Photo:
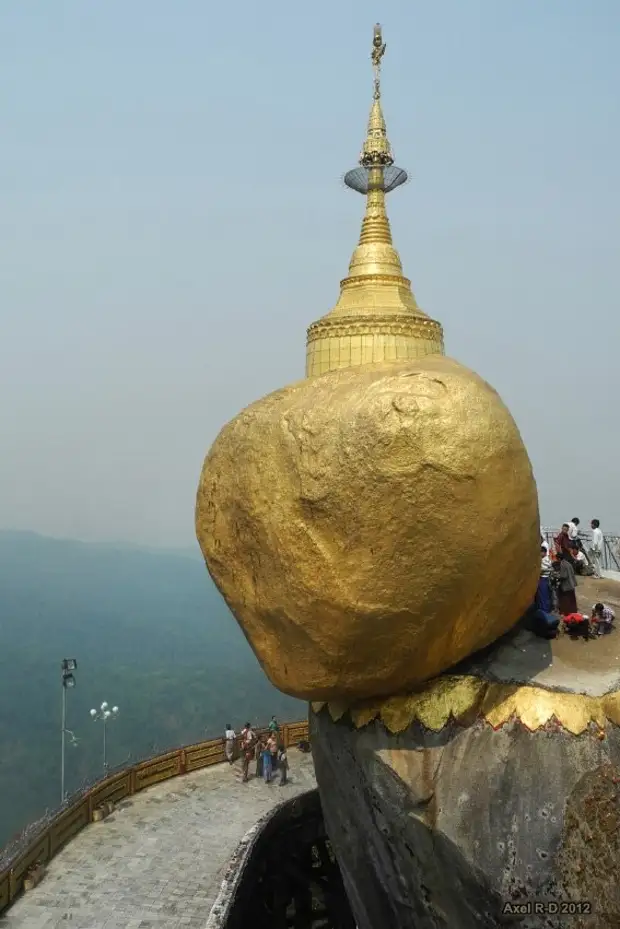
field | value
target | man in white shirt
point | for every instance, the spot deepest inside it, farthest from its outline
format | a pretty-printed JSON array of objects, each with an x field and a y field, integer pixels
[
  {"x": 229, "y": 743},
  {"x": 573, "y": 528},
  {"x": 596, "y": 547}
]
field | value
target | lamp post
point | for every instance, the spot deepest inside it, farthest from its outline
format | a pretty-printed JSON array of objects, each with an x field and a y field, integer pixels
[
  {"x": 68, "y": 666},
  {"x": 105, "y": 714}
]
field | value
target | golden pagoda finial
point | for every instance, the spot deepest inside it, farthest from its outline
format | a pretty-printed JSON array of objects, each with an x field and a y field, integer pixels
[
  {"x": 376, "y": 151},
  {"x": 378, "y": 51},
  {"x": 376, "y": 318}
]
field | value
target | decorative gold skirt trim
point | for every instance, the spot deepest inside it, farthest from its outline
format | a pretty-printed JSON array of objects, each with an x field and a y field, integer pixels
[
  {"x": 342, "y": 326},
  {"x": 465, "y": 699}
]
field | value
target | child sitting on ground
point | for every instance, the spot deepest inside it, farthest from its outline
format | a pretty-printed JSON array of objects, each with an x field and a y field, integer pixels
[{"x": 602, "y": 618}]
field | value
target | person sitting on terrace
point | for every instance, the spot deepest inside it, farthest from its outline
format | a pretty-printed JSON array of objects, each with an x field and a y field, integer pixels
[
  {"x": 581, "y": 563},
  {"x": 541, "y": 623},
  {"x": 577, "y": 625},
  {"x": 602, "y": 618}
]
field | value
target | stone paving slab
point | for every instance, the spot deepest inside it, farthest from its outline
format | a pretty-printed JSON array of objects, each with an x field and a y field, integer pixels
[{"x": 159, "y": 860}]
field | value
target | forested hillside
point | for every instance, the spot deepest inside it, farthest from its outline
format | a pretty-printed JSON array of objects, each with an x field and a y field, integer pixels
[{"x": 150, "y": 633}]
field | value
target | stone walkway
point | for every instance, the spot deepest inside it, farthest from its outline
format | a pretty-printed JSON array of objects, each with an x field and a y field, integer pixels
[{"x": 159, "y": 859}]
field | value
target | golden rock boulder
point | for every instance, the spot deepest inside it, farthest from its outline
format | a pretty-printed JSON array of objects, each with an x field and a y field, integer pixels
[{"x": 371, "y": 527}]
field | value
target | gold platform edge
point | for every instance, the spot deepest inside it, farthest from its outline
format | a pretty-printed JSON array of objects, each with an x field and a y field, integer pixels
[{"x": 467, "y": 699}]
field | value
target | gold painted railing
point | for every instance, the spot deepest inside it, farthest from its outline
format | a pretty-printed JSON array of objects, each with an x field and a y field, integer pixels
[{"x": 116, "y": 787}]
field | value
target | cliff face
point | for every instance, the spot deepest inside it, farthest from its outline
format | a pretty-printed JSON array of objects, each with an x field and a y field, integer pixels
[{"x": 443, "y": 830}]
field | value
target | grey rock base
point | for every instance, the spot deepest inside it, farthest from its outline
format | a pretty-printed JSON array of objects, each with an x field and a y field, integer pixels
[{"x": 450, "y": 830}]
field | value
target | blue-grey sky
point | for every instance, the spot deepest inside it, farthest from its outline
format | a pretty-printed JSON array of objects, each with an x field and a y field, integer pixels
[{"x": 173, "y": 219}]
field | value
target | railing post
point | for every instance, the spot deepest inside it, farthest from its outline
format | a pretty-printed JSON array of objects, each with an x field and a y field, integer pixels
[{"x": 611, "y": 557}]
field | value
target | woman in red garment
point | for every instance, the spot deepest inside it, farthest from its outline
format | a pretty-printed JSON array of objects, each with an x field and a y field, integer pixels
[{"x": 567, "y": 598}]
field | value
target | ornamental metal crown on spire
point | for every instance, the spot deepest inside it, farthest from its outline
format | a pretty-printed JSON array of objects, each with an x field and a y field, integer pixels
[
  {"x": 376, "y": 318},
  {"x": 376, "y": 151}
]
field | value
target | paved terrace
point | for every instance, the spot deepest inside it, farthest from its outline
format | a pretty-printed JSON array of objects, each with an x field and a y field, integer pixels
[
  {"x": 577, "y": 666},
  {"x": 159, "y": 859}
]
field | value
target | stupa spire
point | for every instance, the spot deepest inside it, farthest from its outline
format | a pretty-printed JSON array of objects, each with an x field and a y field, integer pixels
[
  {"x": 376, "y": 151},
  {"x": 376, "y": 318},
  {"x": 375, "y": 157}
]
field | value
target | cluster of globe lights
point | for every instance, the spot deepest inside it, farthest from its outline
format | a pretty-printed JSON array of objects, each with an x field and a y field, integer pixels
[{"x": 105, "y": 712}]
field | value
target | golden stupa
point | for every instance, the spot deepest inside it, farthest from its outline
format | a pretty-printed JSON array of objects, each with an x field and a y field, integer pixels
[
  {"x": 376, "y": 318},
  {"x": 377, "y": 522}
]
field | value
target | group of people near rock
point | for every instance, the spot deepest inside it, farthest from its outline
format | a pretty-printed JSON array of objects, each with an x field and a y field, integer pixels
[
  {"x": 556, "y": 594},
  {"x": 563, "y": 560},
  {"x": 265, "y": 748},
  {"x": 569, "y": 544}
]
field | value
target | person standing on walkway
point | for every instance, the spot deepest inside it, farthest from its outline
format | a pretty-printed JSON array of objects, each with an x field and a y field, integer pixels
[
  {"x": 274, "y": 730},
  {"x": 260, "y": 748},
  {"x": 271, "y": 748},
  {"x": 283, "y": 766},
  {"x": 248, "y": 743},
  {"x": 229, "y": 743},
  {"x": 273, "y": 744},
  {"x": 595, "y": 552}
]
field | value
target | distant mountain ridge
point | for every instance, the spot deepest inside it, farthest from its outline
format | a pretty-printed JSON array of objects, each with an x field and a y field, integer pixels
[
  {"x": 150, "y": 633},
  {"x": 182, "y": 552}
]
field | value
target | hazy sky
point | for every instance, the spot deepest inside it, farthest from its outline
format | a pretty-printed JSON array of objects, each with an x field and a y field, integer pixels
[{"x": 173, "y": 219}]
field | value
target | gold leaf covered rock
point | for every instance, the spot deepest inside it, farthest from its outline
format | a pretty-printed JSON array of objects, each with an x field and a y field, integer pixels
[{"x": 371, "y": 527}]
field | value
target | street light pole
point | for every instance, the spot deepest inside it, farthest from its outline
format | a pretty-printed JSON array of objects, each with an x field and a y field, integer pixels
[
  {"x": 62, "y": 742},
  {"x": 68, "y": 666},
  {"x": 105, "y": 747},
  {"x": 104, "y": 714}
]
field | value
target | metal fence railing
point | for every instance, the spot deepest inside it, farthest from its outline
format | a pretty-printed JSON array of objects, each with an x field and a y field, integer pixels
[
  {"x": 611, "y": 546},
  {"x": 207, "y": 753},
  {"x": 22, "y": 839}
]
